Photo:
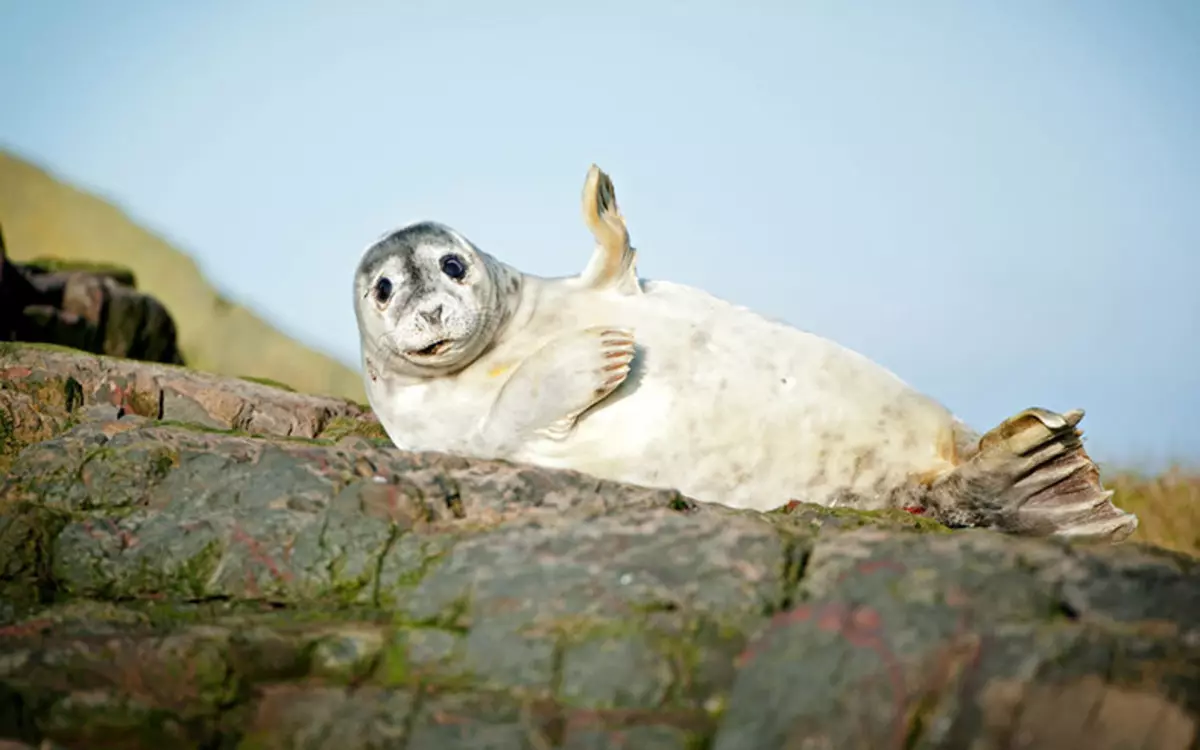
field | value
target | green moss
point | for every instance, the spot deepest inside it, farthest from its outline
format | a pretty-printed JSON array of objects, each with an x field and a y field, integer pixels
[
  {"x": 138, "y": 464},
  {"x": 394, "y": 669},
  {"x": 341, "y": 427},
  {"x": 347, "y": 590},
  {"x": 229, "y": 432},
  {"x": 53, "y": 393},
  {"x": 8, "y": 439},
  {"x": 681, "y": 504},
  {"x": 217, "y": 682},
  {"x": 170, "y": 614},
  {"x": 202, "y": 428},
  {"x": 394, "y": 666},
  {"x": 889, "y": 518},
  {"x": 193, "y": 576},
  {"x": 241, "y": 614},
  {"x": 47, "y": 347},
  {"x": 681, "y": 646},
  {"x": 261, "y": 739},
  {"x": 112, "y": 721},
  {"x": 163, "y": 461},
  {"x": 187, "y": 580},
  {"x": 27, "y": 534},
  {"x": 197, "y": 427},
  {"x": 14, "y": 348},
  {"x": 267, "y": 382},
  {"x": 430, "y": 557},
  {"x": 452, "y": 618},
  {"x": 702, "y": 740},
  {"x": 120, "y": 274}
]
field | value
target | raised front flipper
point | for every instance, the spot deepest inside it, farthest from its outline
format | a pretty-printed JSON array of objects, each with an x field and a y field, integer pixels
[
  {"x": 612, "y": 265},
  {"x": 1032, "y": 476},
  {"x": 550, "y": 389}
]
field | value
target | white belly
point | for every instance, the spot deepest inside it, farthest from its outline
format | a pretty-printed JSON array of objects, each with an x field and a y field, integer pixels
[{"x": 727, "y": 406}]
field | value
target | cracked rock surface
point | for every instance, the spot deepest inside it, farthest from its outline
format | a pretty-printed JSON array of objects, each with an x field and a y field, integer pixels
[{"x": 195, "y": 561}]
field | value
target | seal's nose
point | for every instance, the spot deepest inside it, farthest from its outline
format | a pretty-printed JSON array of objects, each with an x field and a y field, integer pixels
[{"x": 432, "y": 316}]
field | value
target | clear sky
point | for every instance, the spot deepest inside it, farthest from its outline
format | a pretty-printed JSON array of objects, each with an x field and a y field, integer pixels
[{"x": 1000, "y": 201}]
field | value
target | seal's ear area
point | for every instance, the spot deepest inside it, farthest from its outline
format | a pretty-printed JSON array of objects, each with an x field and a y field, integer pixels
[
  {"x": 613, "y": 262},
  {"x": 386, "y": 252}
]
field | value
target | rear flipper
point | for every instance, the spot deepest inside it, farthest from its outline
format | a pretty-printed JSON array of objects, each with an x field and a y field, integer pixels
[
  {"x": 614, "y": 260},
  {"x": 1031, "y": 476}
]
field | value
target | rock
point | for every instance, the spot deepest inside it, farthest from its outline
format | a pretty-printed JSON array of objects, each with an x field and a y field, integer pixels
[
  {"x": 91, "y": 308},
  {"x": 65, "y": 384},
  {"x": 199, "y": 561},
  {"x": 16, "y": 293}
]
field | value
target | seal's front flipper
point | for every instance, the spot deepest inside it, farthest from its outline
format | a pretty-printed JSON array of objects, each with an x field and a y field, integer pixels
[
  {"x": 551, "y": 388},
  {"x": 612, "y": 265},
  {"x": 1031, "y": 475}
]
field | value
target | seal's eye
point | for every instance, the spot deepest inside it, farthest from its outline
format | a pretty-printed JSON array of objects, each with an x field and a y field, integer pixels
[
  {"x": 453, "y": 266},
  {"x": 383, "y": 289}
]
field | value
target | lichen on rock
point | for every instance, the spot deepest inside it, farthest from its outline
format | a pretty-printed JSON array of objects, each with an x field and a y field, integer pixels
[{"x": 195, "y": 561}]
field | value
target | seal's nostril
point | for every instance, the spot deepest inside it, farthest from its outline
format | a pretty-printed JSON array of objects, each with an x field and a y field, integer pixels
[{"x": 433, "y": 316}]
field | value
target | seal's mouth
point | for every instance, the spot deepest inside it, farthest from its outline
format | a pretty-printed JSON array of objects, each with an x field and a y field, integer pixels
[{"x": 432, "y": 350}]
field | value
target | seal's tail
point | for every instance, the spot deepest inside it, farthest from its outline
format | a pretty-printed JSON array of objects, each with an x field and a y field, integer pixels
[
  {"x": 1030, "y": 475},
  {"x": 612, "y": 265}
]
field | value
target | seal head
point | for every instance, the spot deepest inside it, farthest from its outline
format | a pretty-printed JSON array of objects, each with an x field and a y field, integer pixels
[{"x": 429, "y": 302}]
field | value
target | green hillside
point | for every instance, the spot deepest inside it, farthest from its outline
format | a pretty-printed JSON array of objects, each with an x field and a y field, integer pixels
[{"x": 43, "y": 216}]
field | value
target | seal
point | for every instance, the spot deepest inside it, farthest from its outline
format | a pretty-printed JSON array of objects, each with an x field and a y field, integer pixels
[{"x": 663, "y": 385}]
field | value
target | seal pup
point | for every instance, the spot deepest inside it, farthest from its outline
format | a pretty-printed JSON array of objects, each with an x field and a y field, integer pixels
[{"x": 663, "y": 385}]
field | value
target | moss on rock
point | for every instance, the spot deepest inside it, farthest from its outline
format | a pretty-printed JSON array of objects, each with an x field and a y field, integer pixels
[
  {"x": 342, "y": 427},
  {"x": 117, "y": 273},
  {"x": 170, "y": 582},
  {"x": 267, "y": 382}
]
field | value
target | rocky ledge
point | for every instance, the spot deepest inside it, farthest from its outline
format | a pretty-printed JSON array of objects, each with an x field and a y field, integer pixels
[
  {"x": 90, "y": 307},
  {"x": 194, "y": 561}
]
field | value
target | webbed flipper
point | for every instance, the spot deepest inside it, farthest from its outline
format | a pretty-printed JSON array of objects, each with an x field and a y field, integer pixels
[
  {"x": 613, "y": 262},
  {"x": 549, "y": 390},
  {"x": 1031, "y": 476}
]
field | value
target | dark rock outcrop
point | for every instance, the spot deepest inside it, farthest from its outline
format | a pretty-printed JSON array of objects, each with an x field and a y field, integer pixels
[
  {"x": 90, "y": 308},
  {"x": 194, "y": 561}
]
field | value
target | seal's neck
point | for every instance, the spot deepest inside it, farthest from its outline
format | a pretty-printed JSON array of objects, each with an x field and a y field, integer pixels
[{"x": 506, "y": 293}]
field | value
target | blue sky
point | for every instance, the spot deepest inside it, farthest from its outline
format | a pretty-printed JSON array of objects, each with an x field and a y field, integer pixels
[{"x": 998, "y": 201}]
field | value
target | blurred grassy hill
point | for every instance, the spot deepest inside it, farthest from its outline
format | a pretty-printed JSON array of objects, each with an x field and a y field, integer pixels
[
  {"x": 1167, "y": 505},
  {"x": 43, "y": 217}
]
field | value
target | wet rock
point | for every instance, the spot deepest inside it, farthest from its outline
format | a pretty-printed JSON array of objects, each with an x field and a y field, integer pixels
[{"x": 209, "y": 562}]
